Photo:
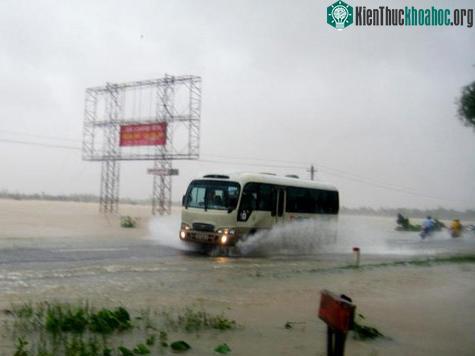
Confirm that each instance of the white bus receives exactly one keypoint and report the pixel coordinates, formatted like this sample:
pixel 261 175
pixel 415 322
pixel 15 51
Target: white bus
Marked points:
pixel 219 210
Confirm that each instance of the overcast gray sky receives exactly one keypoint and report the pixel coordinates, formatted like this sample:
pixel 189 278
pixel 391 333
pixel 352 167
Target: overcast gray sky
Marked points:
pixel 372 108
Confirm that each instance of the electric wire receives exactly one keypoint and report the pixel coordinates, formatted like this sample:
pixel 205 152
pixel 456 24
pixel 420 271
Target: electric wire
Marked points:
pixel 358 180
pixel 29 143
pixel 40 136
pixel 325 169
pixel 251 164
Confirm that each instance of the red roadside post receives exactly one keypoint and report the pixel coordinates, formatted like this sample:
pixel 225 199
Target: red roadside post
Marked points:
pixel 356 252
pixel 338 313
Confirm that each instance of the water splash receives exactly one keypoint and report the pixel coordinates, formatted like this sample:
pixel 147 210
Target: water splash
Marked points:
pixel 164 230
pixel 300 237
pixel 330 235
pixel 322 235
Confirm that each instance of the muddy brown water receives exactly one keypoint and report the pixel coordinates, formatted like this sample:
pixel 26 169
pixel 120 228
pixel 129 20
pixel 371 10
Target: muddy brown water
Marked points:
pixel 67 252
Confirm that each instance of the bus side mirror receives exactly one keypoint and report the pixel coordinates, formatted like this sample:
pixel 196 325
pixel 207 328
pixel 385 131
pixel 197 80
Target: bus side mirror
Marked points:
pixel 183 200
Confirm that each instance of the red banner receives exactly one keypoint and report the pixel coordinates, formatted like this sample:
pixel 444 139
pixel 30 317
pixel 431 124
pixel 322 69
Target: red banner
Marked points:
pixel 143 134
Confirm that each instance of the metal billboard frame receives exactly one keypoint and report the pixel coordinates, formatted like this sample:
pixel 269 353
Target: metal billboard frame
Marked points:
pixel 174 100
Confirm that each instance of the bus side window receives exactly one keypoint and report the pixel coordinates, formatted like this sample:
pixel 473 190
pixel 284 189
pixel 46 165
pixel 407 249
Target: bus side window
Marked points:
pixel 249 197
pixel 275 192
pixel 280 207
pixel 248 201
pixel 266 198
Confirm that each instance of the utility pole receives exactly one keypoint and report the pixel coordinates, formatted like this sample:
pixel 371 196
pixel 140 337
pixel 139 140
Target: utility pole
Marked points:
pixel 312 171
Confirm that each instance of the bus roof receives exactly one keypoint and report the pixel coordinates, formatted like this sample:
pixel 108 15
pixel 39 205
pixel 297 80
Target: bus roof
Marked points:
pixel 269 178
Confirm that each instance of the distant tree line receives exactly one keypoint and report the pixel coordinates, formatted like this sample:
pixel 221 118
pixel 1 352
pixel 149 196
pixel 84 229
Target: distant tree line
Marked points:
pixel 439 213
pixel 83 198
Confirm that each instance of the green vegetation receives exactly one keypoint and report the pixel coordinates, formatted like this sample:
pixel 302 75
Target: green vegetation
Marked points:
pixel 466 107
pixel 141 349
pixel 364 332
pixel 76 319
pixel 180 346
pixel 150 340
pixel 195 320
pixel 124 351
pixel 222 349
pixel 420 262
pixel 51 329
pixel 163 339
pixel 128 221
pixel 107 321
pixel 20 347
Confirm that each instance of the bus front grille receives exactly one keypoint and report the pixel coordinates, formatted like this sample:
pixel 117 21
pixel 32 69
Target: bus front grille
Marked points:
pixel 203 227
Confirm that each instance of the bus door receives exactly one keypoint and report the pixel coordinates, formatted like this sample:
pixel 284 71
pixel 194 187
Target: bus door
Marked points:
pixel 279 201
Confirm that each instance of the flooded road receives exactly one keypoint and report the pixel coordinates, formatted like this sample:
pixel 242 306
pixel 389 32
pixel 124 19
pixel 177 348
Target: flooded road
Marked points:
pixel 68 253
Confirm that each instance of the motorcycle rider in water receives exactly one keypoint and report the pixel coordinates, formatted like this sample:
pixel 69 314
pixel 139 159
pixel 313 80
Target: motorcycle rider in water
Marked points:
pixel 427 227
pixel 455 228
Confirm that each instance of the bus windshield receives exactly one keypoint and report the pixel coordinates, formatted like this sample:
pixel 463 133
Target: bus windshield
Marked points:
pixel 212 194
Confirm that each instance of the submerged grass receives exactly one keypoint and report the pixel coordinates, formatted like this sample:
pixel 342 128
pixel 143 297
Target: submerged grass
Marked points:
pixel 50 329
pixel 364 332
pixel 194 319
pixel 417 262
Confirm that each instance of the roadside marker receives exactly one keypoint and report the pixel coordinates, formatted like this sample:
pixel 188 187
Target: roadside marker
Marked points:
pixel 338 313
pixel 356 253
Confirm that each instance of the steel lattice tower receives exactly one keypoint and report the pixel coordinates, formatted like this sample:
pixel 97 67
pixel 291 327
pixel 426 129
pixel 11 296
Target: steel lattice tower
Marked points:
pixel 162 185
pixel 110 170
pixel 173 100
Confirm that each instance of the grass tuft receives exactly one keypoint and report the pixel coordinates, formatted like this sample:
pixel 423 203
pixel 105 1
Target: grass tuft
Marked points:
pixel 79 330
pixel 191 320
pixel 364 332
pixel 128 222
pixel 222 349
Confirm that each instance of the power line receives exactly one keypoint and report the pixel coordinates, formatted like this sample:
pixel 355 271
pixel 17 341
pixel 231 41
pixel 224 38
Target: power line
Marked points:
pixel 332 171
pixel 322 168
pixel 30 143
pixel 350 178
pixel 258 159
pixel 399 190
pixel 329 170
pixel 326 169
pixel 40 136
pixel 251 164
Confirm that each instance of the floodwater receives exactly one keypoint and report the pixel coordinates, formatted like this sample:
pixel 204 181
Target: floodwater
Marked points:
pixel 68 252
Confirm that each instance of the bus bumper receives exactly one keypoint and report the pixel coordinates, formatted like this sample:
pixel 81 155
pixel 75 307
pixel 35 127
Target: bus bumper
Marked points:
pixel 208 238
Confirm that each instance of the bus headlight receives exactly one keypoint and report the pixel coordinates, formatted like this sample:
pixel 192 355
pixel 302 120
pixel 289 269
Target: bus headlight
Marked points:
pixel 185 226
pixel 183 230
pixel 224 239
